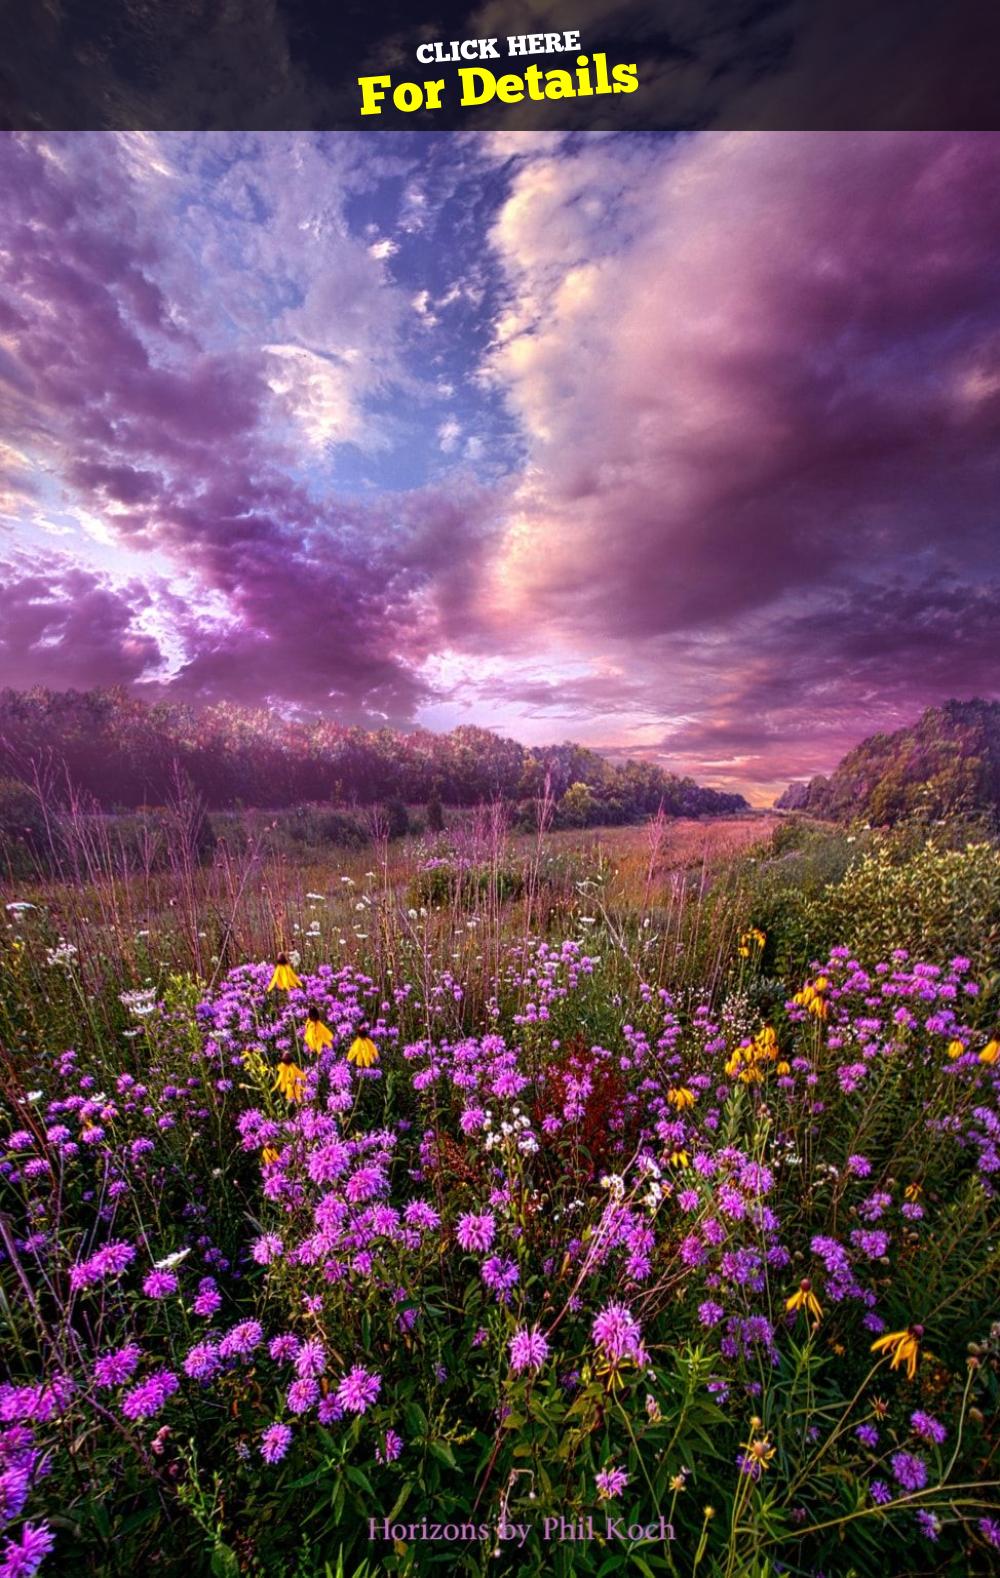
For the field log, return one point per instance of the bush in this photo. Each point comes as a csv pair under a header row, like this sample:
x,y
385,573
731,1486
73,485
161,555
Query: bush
x,y
938,903
24,841
398,818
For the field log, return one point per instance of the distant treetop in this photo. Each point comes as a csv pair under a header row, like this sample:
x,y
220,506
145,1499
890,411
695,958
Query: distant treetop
x,y
945,764
126,753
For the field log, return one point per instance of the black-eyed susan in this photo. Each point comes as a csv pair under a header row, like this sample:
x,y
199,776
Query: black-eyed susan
x,y
268,1155
680,1097
990,1052
750,942
904,1346
284,977
955,1049
291,1080
813,997
805,1299
316,1034
362,1049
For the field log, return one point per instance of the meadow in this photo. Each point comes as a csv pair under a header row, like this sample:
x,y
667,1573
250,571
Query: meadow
x,y
619,1200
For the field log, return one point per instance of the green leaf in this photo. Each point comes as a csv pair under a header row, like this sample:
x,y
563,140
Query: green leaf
x,y
225,1563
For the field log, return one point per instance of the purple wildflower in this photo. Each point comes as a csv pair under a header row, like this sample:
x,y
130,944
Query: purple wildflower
x,y
114,1369
23,1555
274,1443
528,1349
358,1390
989,1528
302,1394
390,1449
310,1361
928,1428
159,1284
610,1483
148,1397
476,1233
909,1471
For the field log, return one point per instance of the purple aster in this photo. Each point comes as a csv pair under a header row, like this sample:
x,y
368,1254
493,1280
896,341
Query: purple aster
x,y
860,1166
241,1341
329,1410
310,1361
420,1215
202,1361
283,1347
159,1284
929,1525
114,1369
274,1443
617,1332
989,1528
927,1428
710,1313
23,1555
110,1261
867,1435
528,1350
909,1471
500,1274
610,1483
146,1399
208,1298
390,1449
879,1492
302,1394
266,1249
476,1233
358,1390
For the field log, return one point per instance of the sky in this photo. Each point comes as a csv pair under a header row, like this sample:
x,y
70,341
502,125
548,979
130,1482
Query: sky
x,y
679,446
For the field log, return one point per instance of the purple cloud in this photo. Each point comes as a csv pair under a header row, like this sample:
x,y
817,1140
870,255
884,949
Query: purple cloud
x,y
734,401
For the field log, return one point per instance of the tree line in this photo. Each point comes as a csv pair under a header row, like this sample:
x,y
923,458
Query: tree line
x,y
125,753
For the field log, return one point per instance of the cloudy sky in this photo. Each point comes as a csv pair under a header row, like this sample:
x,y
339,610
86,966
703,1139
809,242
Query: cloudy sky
x,y
686,445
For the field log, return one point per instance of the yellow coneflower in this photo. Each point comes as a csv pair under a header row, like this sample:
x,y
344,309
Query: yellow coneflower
x,y
362,1049
904,1347
766,1043
678,1159
990,1052
805,1299
784,1068
750,939
813,997
955,1048
913,1191
284,977
268,1155
316,1035
681,1097
291,1080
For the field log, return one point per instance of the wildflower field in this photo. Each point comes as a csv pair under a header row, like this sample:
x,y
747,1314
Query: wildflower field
x,y
593,1204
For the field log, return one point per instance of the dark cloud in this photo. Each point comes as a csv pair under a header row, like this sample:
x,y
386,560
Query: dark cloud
x,y
62,626
296,599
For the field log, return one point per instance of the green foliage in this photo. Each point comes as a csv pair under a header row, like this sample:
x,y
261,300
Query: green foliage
x,y
945,765
937,903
